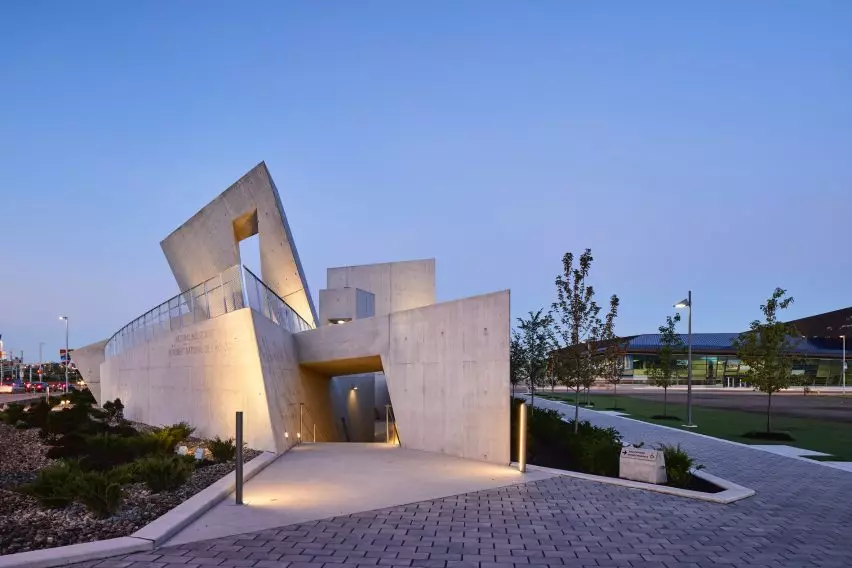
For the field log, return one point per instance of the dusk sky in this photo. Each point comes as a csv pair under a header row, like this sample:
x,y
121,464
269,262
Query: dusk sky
x,y
690,145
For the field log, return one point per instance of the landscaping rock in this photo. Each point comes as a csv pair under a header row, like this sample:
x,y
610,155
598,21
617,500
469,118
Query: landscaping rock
x,y
26,525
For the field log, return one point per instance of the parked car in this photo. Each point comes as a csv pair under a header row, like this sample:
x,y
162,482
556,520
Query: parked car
x,y
9,387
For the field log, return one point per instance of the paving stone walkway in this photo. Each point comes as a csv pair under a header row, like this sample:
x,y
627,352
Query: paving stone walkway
x,y
800,517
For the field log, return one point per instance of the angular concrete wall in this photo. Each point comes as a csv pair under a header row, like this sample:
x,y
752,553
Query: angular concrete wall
x,y
447,370
205,373
397,286
446,366
208,243
287,386
88,360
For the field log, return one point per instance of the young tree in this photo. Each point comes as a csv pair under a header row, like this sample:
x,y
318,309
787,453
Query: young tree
x,y
536,342
516,360
578,327
663,372
766,349
612,361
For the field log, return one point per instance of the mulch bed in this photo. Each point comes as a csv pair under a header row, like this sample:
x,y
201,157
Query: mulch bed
x,y
25,525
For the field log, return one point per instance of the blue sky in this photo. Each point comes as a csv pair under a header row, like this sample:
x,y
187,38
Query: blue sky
x,y
702,145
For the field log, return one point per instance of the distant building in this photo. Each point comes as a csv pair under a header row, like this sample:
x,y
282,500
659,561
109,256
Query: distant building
x,y
715,361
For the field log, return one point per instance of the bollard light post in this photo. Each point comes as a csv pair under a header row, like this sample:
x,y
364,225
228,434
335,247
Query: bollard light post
x,y
522,438
387,424
238,493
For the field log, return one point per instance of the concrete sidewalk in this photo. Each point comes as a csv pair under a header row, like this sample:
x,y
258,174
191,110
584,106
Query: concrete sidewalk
x,y
318,481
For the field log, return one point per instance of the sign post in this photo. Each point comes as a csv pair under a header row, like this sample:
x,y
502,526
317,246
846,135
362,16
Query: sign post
x,y
238,493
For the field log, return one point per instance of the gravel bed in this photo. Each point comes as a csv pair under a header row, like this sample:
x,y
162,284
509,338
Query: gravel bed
x,y
25,525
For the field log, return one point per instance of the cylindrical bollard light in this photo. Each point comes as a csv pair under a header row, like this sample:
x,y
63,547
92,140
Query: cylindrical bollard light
x,y
522,438
239,470
387,424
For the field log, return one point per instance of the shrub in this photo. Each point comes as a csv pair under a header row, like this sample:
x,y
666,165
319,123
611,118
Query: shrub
x,y
164,473
67,421
114,410
82,397
68,446
55,486
36,415
678,465
222,450
12,414
105,451
551,442
163,440
101,492
181,430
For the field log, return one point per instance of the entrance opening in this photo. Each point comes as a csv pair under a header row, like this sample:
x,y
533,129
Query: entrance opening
x,y
361,407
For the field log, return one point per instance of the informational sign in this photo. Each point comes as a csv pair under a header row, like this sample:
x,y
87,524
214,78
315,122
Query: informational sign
x,y
63,356
640,464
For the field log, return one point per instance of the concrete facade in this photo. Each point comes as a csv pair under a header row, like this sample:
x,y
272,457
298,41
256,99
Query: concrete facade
x,y
446,367
379,338
397,286
89,360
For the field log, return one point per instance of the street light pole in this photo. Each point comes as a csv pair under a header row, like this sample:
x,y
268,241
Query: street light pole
x,y
689,364
687,303
67,353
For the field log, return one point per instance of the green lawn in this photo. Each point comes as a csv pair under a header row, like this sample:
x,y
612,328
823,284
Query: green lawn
x,y
834,438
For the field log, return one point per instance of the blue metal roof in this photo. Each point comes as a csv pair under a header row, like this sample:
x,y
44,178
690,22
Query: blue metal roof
x,y
723,342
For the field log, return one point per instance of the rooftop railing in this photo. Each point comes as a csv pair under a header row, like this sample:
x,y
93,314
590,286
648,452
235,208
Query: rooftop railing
x,y
231,290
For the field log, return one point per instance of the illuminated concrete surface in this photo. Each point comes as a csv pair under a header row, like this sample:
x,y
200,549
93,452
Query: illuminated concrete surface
x,y
317,481
231,343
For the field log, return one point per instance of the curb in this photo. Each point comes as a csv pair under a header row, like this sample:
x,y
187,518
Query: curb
x,y
62,555
148,537
731,491
168,525
740,444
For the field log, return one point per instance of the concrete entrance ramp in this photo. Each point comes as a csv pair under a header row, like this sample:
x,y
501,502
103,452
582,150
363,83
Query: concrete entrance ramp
x,y
317,481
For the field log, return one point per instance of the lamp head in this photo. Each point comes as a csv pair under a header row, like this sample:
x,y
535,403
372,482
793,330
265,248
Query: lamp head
x,y
63,317
682,304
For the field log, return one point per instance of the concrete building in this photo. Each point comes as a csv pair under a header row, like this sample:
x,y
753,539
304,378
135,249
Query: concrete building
x,y
378,346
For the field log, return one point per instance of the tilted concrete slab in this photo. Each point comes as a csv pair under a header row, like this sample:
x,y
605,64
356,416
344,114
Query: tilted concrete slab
x,y
208,243
88,360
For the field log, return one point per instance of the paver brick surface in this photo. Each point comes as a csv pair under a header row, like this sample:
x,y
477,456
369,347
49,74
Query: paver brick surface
x,y
800,517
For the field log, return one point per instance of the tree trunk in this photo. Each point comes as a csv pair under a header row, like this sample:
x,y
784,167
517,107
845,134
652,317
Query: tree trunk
x,y
532,396
665,402
615,395
513,391
769,412
577,410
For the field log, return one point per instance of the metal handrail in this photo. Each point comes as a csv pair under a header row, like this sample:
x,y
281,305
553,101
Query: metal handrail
x,y
228,291
305,409
195,301
271,299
